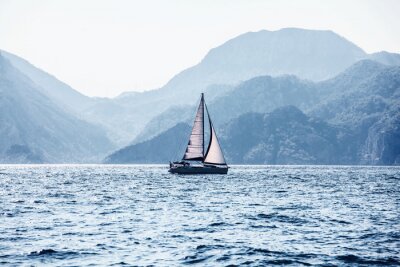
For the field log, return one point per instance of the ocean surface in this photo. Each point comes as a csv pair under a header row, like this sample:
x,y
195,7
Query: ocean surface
x,y
132,215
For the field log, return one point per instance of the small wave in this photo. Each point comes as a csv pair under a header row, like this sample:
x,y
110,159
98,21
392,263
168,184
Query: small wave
x,y
255,204
293,207
285,255
53,254
190,189
177,236
204,248
280,191
108,198
280,262
69,234
200,251
224,258
195,259
43,228
106,224
105,247
285,262
60,195
356,259
394,235
280,218
216,224
203,229
340,221
259,226
263,251
108,212
43,252
121,263
295,177
12,238
371,236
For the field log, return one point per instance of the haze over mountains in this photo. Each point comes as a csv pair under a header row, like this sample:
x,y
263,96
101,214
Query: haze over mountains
x,y
352,118
343,109
34,129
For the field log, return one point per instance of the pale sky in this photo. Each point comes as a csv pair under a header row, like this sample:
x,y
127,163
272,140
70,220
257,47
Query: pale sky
x,y
103,48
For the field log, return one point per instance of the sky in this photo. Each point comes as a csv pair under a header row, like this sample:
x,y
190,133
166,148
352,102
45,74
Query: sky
x,y
103,48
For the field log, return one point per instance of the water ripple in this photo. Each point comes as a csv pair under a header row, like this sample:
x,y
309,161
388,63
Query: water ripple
x,y
95,215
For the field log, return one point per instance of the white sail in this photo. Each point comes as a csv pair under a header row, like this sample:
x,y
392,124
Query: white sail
x,y
214,153
195,148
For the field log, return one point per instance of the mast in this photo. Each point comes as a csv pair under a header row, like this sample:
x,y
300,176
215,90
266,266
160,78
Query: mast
x,y
202,101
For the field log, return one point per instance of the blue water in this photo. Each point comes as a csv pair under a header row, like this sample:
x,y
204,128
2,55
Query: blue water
x,y
254,216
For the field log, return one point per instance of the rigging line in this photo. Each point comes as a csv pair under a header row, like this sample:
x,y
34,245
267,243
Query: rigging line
x,y
209,143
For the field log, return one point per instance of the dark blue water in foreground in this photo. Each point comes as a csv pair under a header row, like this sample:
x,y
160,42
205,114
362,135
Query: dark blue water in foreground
x,y
255,216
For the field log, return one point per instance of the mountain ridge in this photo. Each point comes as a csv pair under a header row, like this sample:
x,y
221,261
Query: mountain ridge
x,y
355,104
61,93
238,62
329,54
34,129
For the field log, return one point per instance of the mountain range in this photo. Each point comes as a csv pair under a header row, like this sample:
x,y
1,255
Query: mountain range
x,y
352,118
33,129
317,73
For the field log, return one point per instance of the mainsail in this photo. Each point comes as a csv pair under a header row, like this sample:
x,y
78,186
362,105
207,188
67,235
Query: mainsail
x,y
195,147
214,153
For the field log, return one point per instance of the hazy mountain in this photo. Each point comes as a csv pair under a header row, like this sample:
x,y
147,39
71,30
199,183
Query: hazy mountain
x,y
391,59
354,118
364,89
284,136
176,114
239,76
120,118
308,54
369,106
61,93
260,94
160,149
263,94
382,145
164,121
34,129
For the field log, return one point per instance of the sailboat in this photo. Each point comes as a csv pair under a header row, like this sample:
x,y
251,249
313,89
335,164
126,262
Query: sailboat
x,y
196,159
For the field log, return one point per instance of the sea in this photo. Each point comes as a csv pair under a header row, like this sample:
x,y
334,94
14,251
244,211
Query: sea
x,y
140,215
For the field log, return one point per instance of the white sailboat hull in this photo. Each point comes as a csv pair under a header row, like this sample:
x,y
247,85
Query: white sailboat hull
x,y
198,170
